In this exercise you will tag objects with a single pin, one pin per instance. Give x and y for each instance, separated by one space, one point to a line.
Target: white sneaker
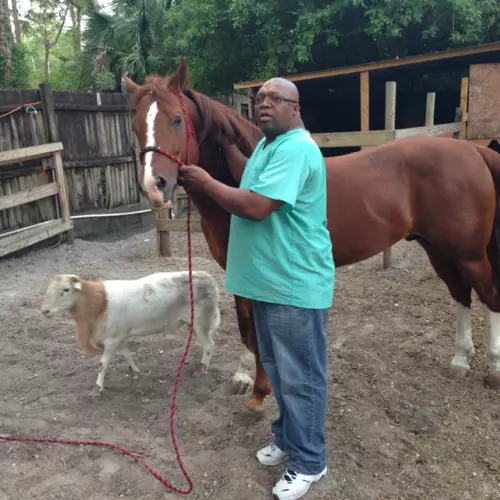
293 485
271 455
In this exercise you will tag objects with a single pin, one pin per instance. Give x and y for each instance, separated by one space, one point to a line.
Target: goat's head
61 294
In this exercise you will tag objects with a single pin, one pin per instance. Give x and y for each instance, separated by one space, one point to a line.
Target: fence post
464 95
163 237
390 124
50 122
429 109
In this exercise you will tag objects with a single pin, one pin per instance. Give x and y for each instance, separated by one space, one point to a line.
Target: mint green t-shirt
286 258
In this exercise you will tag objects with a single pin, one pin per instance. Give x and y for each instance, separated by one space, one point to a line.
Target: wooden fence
27 236
98 155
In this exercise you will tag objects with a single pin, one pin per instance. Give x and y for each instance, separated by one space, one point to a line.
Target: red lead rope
189 132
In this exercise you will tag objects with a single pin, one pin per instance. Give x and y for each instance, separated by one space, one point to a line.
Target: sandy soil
398 426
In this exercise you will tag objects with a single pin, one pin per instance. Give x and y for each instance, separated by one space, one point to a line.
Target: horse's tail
492 159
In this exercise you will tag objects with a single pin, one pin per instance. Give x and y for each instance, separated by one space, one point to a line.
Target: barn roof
465 55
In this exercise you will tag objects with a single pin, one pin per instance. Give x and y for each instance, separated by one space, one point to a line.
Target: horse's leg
242 379
480 274
262 387
493 349
460 291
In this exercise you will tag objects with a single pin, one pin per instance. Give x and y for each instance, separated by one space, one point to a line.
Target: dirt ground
398 426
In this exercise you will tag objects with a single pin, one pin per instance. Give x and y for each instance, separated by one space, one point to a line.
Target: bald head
287 88
277 107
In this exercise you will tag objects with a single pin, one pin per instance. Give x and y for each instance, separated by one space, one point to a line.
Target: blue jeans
292 347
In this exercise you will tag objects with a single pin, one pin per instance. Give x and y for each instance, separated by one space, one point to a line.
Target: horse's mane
216 118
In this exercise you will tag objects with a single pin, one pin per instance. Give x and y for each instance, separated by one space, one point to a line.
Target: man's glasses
274 99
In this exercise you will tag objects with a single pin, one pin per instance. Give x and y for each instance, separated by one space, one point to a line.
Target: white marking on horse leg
124 351
242 379
493 343
464 348
149 179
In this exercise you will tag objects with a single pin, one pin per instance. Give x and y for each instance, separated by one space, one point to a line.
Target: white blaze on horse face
464 348
149 179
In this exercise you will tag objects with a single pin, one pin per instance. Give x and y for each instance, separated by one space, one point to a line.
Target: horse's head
165 132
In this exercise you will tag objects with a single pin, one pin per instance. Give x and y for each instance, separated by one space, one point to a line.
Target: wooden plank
32 235
353 139
67 106
63 194
445 128
380 65
364 83
390 124
49 114
464 94
94 162
178 225
28 196
29 153
430 106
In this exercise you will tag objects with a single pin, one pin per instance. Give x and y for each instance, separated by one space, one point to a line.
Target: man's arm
241 202
236 160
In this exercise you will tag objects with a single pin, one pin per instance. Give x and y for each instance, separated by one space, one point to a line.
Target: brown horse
440 192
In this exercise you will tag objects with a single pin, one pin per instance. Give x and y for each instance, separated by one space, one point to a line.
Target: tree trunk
76 17
46 62
5 42
17 24
78 31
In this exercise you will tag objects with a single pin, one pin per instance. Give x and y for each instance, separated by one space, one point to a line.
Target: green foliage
230 40
129 41
226 41
20 67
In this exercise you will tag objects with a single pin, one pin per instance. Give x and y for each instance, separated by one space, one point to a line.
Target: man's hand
193 178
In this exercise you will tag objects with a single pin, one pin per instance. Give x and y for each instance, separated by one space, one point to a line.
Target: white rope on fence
85 216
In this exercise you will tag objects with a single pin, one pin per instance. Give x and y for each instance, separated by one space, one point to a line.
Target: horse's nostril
161 183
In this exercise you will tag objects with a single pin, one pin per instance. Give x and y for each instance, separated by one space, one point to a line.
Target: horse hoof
241 383
246 418
492 381
458 372
133 375
254 405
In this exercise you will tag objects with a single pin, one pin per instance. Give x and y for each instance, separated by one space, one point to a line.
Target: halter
189 132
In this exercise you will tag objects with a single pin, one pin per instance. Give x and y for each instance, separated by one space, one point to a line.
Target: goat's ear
77 284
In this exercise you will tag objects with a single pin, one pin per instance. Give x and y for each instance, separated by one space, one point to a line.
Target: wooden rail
24 237
378 137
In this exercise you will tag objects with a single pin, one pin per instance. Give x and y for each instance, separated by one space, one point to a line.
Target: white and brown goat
107 313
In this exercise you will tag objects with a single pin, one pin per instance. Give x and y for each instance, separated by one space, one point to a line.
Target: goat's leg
205 326
134 371
110 348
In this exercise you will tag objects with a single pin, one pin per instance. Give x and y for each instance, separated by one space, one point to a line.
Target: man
280 257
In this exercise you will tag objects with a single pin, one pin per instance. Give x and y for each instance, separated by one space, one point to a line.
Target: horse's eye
177 120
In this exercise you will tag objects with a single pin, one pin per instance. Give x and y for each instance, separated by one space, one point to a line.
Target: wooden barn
463 84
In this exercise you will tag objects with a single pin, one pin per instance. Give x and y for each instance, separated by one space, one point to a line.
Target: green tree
46 19
230 40
128 41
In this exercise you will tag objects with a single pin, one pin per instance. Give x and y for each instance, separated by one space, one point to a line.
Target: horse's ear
129 84
180 78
